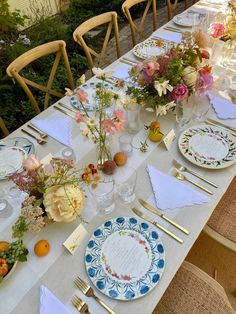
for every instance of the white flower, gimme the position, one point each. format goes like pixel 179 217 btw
pixel 92 122
pixel 150 109
pixel 162 110
pixel 68 92
pixel 124 100
pixel 162 87
pixel 102 74
pixel 81 80
pixel 85 130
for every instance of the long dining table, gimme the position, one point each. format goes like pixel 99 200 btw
pixel 57 271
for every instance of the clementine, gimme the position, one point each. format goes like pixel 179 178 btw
pixel 41 248
pixel 4 245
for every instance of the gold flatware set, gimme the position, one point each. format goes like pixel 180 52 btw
pixel 160 214
pixel 145 217
pixel 80 305
pixel 40 140
pixel 217 123
pixel 88 291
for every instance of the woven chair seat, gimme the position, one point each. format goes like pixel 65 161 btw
pixel 223 219
pixel 192 291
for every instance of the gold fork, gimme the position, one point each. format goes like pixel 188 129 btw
pixel 88 291
pixel 80 305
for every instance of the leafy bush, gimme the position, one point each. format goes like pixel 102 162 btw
pixel 15 107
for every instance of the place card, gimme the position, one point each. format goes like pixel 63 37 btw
pixel 169 138
pixel 73 241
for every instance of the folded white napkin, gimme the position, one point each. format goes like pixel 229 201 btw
pixel 49 303
pixel 168 35
pixel 57 127
pixel 122 72
pixel 170 193
pixel 224 108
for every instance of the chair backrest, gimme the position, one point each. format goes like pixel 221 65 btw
pixel 127 5
pixel 57 47
pixel 171 7
pixel 3 127
pixel 109 18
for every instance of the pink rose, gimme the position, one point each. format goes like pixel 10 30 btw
pixel 31 163
pixel 204 83
pixel 205 54
pixel 150 67
pixel 180 92
pixel 216 30
pixel 82 96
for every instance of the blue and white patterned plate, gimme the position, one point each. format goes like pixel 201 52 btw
pixel 90 88
pixel 125 258
pixel 20 142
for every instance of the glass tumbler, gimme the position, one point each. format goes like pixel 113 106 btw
pixel 125 180
pixel 125 141
pixel 103 194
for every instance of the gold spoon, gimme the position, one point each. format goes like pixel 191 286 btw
pixel 181 177
pixel 182 168
pixel 39 140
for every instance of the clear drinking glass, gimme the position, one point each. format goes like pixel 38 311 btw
pixel 125 141
pixel 125 180
pixel 103 194
pixel 133 118
pixel 68 154
pixel 5 209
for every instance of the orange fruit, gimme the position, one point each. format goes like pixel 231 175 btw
pixel 4 245
pixel 120 158
pixel 41 248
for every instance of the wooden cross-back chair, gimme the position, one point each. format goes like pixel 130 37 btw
pixel 127 5
pixel 109 18
pixel 171 7
pixel 3 127
pixel 57 47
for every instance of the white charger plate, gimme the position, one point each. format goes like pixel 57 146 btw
pixel 188 19
pixel 208 146
pixel 149 48
pixel 125 258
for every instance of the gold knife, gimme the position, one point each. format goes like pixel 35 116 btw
pixel 157 212
pixel 221 124
pixel 68 108
pixel 141 215
pixel 64 111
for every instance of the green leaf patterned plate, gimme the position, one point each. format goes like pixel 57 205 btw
pixel 208 146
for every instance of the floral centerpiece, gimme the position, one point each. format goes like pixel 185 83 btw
pixel 164 81
pixel 226 28
pixel 54 194
pixel 108 120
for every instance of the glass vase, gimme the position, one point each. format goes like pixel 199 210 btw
pixel 103 151
pixel 133 118
pixel 229 53
pixel 193 109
